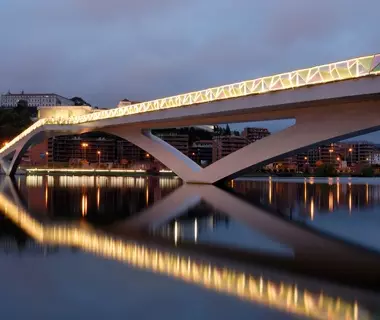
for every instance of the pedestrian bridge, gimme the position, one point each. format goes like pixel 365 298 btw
pixel 329 102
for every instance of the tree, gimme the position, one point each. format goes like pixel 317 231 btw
pixel 319 163
pixel 21 107
pixel 236 133
pixel 227 131
pixel 78 101
pixel 367 171
pixel 326 170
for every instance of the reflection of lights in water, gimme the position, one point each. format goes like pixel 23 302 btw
pixel 46 196
pixel 102 181
pixel 270 190
pixel 34 181
pixel 337 193
pixel 98 198
pixel 211 222
pixel 232 183
pixel 331 201
pixel 349 198
pixel 147 194
pixel 312 208
pixel 366 193
pixel 305 193
pixel 175 232
pixel 50 181
pixel 196 230
pixel 245 286
pixel 168 182
pixel 84 205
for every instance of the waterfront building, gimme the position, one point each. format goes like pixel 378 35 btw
pixel 224 145
pixel 253 134
pixel 93 149
pixel 201 151
pixel 177 140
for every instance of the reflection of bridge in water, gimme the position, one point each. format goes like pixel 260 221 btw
pixel 129 245
pixel 277 294
pixel 310 195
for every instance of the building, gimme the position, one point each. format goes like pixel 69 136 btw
pixel 37 155
pixel 126 102
pixel 201 152
pixel 254 134
pixel 360 151
pixel 128 153
pixel 93 149
pixel 224 145
pixel 10 100
pixel 177 140
pixel 63 111
pixel 341 155
pixel 375 158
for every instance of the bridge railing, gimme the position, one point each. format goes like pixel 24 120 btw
pixel 337 71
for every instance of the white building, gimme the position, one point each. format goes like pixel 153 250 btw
pixel 10 100
pixel 375 158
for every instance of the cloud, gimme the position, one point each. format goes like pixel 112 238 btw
pixel 109 50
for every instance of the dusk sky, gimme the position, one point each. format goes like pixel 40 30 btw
pixel 104 51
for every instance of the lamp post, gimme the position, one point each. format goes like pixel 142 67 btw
pixel 47 159
pixel 84 146
pixel 350 151
pixel 331 151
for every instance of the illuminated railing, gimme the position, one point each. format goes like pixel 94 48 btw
pixel 337 71
pixel 256 289
pixel 343 70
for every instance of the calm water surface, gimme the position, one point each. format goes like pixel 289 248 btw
pixel 117 247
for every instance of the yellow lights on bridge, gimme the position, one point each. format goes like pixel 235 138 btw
pixel 343 70
pixel 286 297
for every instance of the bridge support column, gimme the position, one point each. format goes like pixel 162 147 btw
pixel 10 164
pixel 175 160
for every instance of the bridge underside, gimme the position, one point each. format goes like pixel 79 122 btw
pixel 326 122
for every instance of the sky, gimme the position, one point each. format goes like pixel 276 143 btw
pixel 107 50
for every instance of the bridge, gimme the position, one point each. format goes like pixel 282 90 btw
pixel 329 103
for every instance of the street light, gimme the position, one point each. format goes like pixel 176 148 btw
pixel 47 158
pixel 84 146
pixel 331 151
pixel 350 151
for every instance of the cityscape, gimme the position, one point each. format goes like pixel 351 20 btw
pixel 207 160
